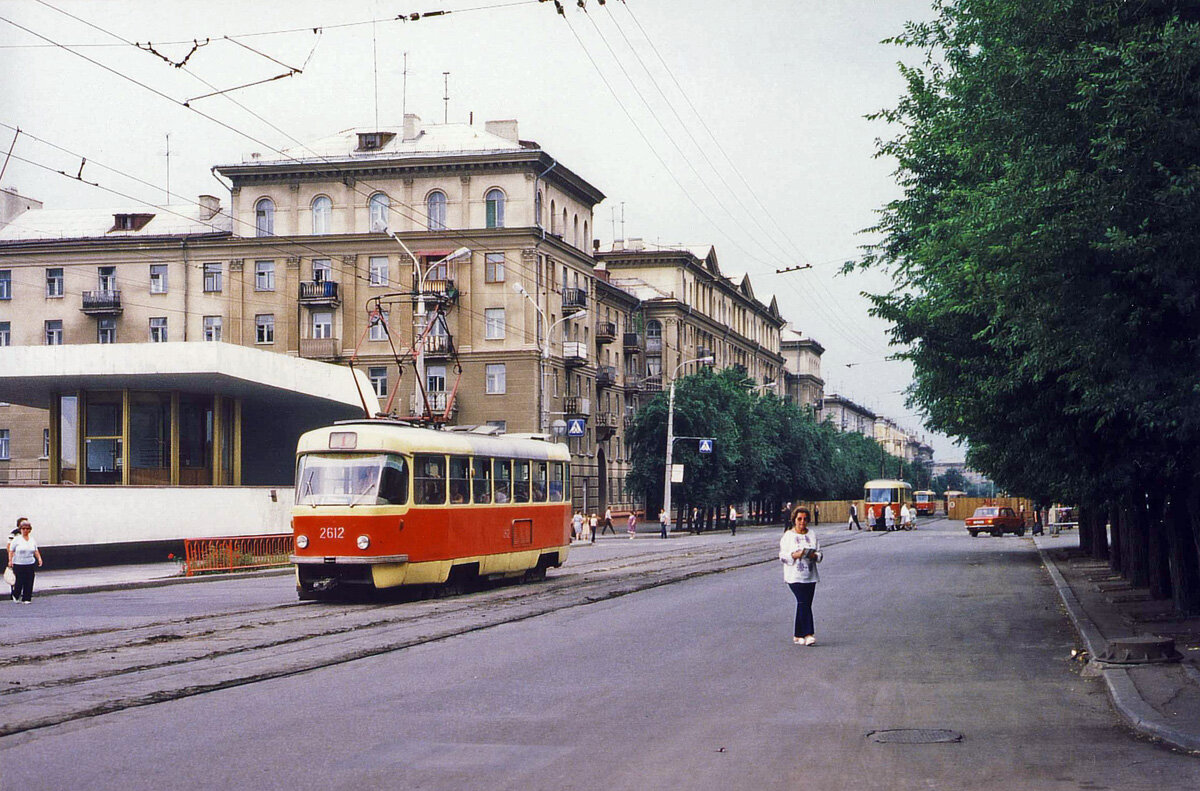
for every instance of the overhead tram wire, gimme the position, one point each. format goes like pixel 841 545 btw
pixel 654 150
pixel 687 129
pixel 705 126
pixel 670 139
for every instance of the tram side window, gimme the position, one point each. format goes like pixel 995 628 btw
pixel 539 481
pixel 502 479
pixel 556 481
pixel 460 479
pixel 481 480
pixel 393 483
pixel 429 479
pixel 520 481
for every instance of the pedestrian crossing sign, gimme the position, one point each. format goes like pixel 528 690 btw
pixel 706 446
pixel 575 427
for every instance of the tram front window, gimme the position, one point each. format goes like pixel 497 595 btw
pixel 883 495
pixel 351 479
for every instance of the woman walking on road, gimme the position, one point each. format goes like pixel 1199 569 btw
pixel 23 558
pixel 800 553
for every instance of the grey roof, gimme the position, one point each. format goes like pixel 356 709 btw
pixel 170 220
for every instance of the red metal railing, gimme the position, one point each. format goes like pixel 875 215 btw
pixel 235 552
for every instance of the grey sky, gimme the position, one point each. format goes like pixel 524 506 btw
pixel 784 85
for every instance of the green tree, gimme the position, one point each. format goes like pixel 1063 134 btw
pixel 1043 253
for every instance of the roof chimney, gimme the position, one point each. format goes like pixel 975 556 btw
pixel 412 126
pixel 636 244
pixel 505 129
pixel 210 206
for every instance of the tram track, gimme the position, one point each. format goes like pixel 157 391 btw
pixel 88 673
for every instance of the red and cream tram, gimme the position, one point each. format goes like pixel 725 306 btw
pixel 381 504
pixel 885 493
pixel 925 502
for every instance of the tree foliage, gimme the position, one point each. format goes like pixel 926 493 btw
pixel 1044 248
pixel 766 450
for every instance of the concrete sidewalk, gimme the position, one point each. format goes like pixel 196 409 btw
pixel 1161 700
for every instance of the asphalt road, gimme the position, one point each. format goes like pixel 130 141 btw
pixel 668 684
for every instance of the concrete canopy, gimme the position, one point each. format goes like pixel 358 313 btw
pixel 30 375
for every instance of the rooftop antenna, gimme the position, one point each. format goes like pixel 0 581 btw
pixel 613 212
pixel 446 97
pixel 404 89
pixel 622 219
pixel 375 63
pixel 168 167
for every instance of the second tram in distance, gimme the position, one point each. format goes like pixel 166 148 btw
pixel 380 504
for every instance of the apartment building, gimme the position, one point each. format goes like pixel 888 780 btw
pixel 847 415
pixel 802 369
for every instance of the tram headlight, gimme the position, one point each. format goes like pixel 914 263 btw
pixel 301 542
pixel 363 542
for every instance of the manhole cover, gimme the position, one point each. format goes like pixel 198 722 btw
pixel 915 736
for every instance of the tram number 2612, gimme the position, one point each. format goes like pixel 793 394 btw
pixel 333 532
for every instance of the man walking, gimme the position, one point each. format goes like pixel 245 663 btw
pixel 853 521
pixel 733 517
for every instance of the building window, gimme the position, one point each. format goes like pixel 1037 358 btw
pixel 106 278
pixel 5 333
pixel 322 210
pixel 158 329
pixel 54 282
pixel 264 217
pixel 500 424
pixel 264 275
pixel 264 328
pixel 45 443
pixel 5 284
pixel 379 380
pixel 158 278
pixel 435 378
pixel 493 267
pixel 495 379
pixel 378 330
pixel 106 330
pixel 212 278
pixel 495 208
pixel 322 324
pixel 54 332
pixel 493 323
pixel 435 207
pixel 322 270
pixel 212 328
pixel 379 206
pixel 537 207
pixel 379 270
pixel 4 444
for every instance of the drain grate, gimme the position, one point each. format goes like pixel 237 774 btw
pixel 915 736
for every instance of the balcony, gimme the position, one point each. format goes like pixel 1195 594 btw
pixel 577 405
pixel 438 399
pixel 319 293
pixel 575 353
pixel 652 384
pixel 606 332
pixel 632 342
pixel 101 303
pixel 574 298
pixel 320 348
pixel 632 383
pixel 606 425
pixel 441 290
pixel 606 376
pixel 629 421
pixel 438 346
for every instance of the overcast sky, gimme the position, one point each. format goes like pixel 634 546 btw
pixel 629 95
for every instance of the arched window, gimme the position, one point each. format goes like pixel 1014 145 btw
pixel 495 208
pixel 553 217
pixel 322 209
pixel 435 208
pixel 379 206
pixel 563 228
pixel 264 217
pixel 587 240
pixel 537 207
pixel 575 231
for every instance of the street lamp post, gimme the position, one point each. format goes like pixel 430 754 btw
pixel 671 441
pixel 422 273
pixel 543 363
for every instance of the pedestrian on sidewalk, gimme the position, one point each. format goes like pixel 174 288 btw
pixel 608 525
pixel 632 524
pixel 663 518
pixel 592 527
pixel 853 521
pixel 733 517
pixel 816 515
pixel 24 558
pixel 800 552
pixel 576 525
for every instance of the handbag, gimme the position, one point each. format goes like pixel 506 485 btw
pixel 10 578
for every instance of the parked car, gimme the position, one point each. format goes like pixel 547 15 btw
pixel 996 520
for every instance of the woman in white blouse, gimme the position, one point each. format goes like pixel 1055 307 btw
pixel 800 553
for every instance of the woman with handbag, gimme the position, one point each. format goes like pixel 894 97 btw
pixel 800 552
pixel 23 559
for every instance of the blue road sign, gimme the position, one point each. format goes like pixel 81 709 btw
pixel 706 446
pixel 575 426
